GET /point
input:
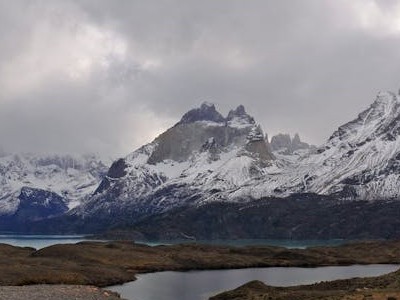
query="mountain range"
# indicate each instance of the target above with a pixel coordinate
(35, 186)
(207, 165)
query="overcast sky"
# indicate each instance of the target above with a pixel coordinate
(107, 76)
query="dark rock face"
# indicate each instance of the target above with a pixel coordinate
(180, 141)
(117, 169)
(240, 113)
(36, 204)
(297, 144)
(281, 141)
(287, 145)
(206, 112)
(186, 137)
(257, 145)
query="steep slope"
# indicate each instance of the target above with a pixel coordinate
(28, 180)
(199, 159)
(362, 157)
(361, 160)
(206, 157)
(207, 160)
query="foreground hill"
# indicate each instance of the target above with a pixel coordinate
(104, 264)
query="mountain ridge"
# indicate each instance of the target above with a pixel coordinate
(207, 158)
(64, 180)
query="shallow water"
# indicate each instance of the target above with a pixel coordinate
(200, 285)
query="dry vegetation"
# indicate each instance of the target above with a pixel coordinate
(103, 264)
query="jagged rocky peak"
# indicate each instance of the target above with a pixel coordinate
(206, 112)
(281, 141)
(285, 144)
(298, 144)
(238, 117)
(257, 145)
(196, 127)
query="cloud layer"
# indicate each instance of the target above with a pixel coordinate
(107, 76)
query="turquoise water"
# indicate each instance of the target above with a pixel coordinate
(40, 241)
(200, 285)
(256, 242)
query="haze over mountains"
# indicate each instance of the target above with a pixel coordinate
(207, 158)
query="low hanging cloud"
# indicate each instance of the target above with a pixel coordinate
(107, 76)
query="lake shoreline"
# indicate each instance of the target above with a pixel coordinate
(199, 285)
(106, 264)
(110, 263)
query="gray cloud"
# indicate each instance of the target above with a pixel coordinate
(106, 76)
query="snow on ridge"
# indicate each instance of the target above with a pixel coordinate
(360, 159)
(239, 122)
(70, 176)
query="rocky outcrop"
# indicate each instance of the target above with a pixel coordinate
(257, 145)
(285, 144)
(206, 112)
(239, 116)
(181, 141)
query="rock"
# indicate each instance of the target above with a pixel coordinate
(206, 112)
(284, 144)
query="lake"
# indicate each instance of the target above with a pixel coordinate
(200, 285)
(301, 244)
(39, 241)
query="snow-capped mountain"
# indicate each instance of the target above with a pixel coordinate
(55, 182)
(202, 156)
(206, 157)
(361, 160)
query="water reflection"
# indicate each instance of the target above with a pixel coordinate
(200, 285)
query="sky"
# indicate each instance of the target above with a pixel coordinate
(106, 76)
